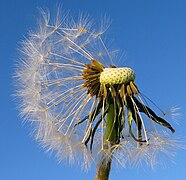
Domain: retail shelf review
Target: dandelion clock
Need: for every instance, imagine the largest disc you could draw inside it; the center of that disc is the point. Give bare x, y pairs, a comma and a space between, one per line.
82, 106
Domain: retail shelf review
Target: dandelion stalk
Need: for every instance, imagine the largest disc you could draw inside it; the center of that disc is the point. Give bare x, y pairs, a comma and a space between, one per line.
104, 166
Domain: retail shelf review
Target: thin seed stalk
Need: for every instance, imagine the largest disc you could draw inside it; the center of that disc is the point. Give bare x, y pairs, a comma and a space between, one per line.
104, 166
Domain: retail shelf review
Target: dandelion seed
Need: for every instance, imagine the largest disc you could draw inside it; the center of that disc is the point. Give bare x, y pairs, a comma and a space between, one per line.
82, 105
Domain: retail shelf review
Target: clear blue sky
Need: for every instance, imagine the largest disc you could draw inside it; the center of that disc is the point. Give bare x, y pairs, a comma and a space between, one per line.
152, 33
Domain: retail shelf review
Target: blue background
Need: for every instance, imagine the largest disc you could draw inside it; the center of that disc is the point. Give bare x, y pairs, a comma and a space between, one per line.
151, 33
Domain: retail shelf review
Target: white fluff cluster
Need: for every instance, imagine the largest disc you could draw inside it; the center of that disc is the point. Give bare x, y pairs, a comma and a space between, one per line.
53, 97
50, 84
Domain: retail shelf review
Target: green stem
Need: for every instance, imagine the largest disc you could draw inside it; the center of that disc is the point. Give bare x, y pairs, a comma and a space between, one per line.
103, 170
104, 166
110, 133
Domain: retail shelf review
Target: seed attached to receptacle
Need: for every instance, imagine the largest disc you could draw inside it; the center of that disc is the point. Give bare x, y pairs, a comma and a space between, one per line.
113, 76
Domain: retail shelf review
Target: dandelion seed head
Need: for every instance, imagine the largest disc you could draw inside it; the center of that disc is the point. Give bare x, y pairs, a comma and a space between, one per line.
68, 87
